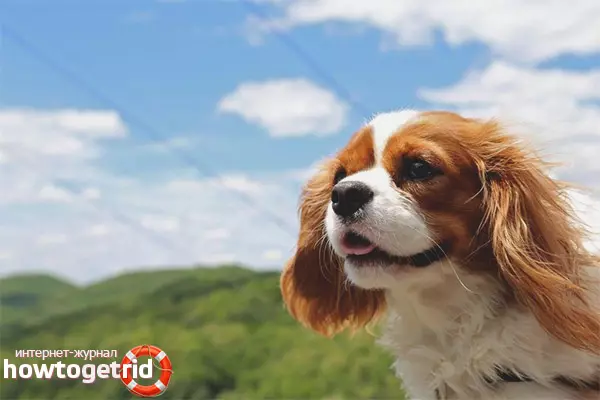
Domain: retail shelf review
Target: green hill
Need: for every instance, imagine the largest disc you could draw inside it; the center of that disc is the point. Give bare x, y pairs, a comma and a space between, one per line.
225, 331
21, 296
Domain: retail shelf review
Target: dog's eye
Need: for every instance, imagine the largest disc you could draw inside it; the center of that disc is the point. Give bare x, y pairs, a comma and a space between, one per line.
339, 175
418, 170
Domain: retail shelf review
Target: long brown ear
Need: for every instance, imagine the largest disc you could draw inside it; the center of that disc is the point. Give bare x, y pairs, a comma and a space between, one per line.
313, 284
538, 244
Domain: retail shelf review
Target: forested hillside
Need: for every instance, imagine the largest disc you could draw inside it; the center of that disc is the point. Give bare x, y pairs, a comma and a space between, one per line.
224, 329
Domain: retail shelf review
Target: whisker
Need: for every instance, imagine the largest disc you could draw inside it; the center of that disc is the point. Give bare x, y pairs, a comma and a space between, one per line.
450, 263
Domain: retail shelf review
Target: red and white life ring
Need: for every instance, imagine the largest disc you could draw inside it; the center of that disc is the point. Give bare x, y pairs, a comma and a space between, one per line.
165, 376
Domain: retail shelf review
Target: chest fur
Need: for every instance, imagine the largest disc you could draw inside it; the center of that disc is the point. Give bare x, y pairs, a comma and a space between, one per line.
453, 352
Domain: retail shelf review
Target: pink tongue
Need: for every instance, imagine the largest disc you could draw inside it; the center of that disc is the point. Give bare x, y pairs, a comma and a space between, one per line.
358, 250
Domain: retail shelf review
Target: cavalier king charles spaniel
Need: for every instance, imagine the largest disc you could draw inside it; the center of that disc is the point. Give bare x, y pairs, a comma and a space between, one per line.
454, 229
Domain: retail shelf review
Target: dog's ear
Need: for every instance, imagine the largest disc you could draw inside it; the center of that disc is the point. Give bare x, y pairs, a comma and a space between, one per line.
313, 283
538, 242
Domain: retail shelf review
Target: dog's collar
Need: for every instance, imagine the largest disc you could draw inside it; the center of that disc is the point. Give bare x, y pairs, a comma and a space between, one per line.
504, 375
427, 257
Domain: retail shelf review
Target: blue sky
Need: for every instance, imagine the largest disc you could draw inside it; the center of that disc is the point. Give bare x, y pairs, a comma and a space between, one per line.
87, 191
173, 62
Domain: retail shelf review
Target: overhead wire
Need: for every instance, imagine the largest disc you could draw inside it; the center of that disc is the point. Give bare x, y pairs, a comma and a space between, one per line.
257, 10
155, 135
147, 129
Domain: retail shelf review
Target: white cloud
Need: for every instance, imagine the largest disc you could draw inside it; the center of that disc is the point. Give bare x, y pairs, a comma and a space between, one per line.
272, 255
98, 230
529, 31
54, 193
39, 147
240, 183
217, 234
160, 223
91, 123
3, 157
169, 222
51, 239
230, 182
558, 110
587, 208
85, 222
287, 107
91, 193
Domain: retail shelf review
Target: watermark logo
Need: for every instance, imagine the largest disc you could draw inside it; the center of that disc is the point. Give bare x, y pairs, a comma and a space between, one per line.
129, 363
127, 371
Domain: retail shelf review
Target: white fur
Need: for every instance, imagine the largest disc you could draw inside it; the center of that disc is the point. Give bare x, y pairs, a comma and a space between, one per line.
386, 125
447, 327
390, 220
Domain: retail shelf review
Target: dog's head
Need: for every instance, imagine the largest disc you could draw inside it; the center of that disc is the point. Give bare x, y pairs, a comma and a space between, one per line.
413, 190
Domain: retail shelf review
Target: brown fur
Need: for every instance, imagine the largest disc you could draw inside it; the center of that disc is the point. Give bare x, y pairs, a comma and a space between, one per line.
537, 242
501, 214
313, 283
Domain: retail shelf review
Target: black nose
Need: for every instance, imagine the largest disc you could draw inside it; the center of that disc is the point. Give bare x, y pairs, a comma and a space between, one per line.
349, 197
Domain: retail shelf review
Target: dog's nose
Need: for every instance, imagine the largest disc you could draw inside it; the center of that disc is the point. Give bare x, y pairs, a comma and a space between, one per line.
349, 197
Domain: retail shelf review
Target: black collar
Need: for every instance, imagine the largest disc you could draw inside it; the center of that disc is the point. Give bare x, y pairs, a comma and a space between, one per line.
504, 375
427, 257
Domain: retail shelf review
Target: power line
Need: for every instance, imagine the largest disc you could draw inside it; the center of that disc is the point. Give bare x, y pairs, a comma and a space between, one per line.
151, 132
131, 223
259, 11
147, 129
114, 214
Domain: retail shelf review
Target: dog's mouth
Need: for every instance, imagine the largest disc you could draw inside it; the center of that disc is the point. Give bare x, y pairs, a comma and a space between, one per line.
362, 252
355, 244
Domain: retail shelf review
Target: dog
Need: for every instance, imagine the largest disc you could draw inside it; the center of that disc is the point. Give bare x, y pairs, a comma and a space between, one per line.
453, 228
